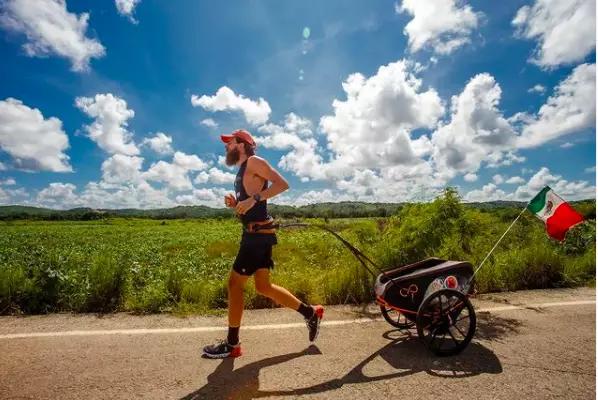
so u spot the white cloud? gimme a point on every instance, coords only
(35, 143)
(210, 123)
(3, 167)
(489, 192)
(9, 181)
(372, 127)
(515, 179)
(255, 112)
(477, 132)
(176, 175)
(537, 89)
(173, 174)
(440, 24)
(120, 169)
(565, 30)
(212, 197)
(126, 8)
(109, 128)
(569, 191)
(215, 176)
(51, 30)
(498, 159)
(470, 177)
(498, 179)
(567, 145)
(60, 193)
(159, 143)
(570, 109)
(590, 169)
(312, 197)
(140, 195)
(189, 162)
(222, 163)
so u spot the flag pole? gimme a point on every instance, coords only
(503, 235)
(488, 255)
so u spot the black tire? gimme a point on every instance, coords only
(397, 323)
(435, 318)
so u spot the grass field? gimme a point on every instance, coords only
(181, 266)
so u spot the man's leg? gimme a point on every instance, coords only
(312, 314)
(279, 294)
(236, 282)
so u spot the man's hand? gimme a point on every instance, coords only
(245, 205)
(230, 201)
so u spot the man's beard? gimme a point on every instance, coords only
(232, 157)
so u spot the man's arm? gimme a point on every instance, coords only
(260, 167)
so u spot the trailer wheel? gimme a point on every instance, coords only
(446, 322)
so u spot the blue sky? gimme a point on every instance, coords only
(439, 101)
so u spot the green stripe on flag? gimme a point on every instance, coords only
(539, 201)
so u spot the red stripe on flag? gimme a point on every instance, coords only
(562, 220)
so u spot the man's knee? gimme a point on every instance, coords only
(263, 287)
(236, 281)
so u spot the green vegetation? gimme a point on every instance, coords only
(181, 265)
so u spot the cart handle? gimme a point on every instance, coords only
(358, 254)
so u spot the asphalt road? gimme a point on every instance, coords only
(532, 345)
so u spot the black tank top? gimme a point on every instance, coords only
(257, 213)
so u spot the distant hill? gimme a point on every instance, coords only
(320, 210)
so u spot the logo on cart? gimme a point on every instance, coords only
(411, 290)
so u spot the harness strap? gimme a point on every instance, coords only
(268, 226)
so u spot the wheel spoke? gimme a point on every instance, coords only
(450, 333)
(457, 328)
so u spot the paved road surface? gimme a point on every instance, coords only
(532, 345)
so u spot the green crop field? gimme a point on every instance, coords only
(181, 266)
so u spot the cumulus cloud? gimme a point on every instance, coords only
(121, 169)
(470, 177)
(126, 8)
(372, 127)
(161, 143)
(565, 30)
(477, 131)
(537, 89)
(216, 176)
(572, 108)
(51, 29)
(515, 179)
(210, 123)
(8, 181)
(569, 191)
(212, 197)
(61, 193)
(109, 128)
(440, 25)
(35, 143)
(175, 174)
(139, 195)
(255, 112)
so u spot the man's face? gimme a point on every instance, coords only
(233, 152)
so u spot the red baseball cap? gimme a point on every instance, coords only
(241, 134)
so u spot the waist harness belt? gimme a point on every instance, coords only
(263, 227)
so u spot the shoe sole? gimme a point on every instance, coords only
(234, 353)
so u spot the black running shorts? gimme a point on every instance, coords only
(252, 256)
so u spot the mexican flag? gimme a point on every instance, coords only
(558, 216)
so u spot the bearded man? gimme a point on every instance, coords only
(255, 253)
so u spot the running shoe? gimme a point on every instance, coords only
(313, 323)
(222, 349)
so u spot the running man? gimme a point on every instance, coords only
(255, 253)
